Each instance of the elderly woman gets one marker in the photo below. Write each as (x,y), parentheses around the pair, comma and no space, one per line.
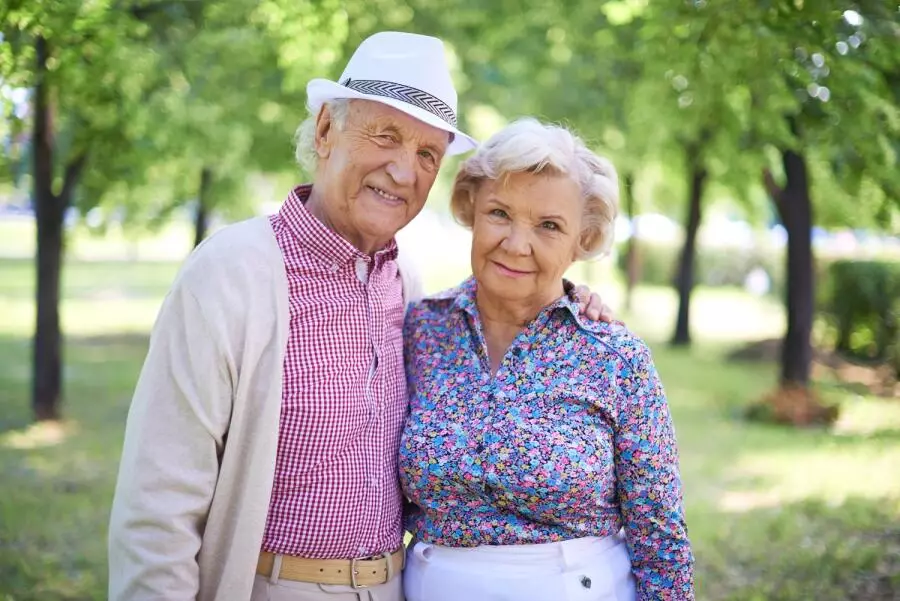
(539,447)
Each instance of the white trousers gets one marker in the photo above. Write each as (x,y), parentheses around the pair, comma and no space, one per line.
(584,569)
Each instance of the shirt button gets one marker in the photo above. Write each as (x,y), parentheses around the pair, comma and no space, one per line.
(362,270)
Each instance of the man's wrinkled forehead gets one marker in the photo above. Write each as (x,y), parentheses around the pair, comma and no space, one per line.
(367,113)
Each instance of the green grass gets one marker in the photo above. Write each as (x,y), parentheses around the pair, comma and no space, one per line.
(774,513)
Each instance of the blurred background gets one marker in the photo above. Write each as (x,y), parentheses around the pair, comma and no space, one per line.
(758,246)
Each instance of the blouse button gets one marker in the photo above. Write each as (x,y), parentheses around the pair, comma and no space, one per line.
(585,582)
(479,447)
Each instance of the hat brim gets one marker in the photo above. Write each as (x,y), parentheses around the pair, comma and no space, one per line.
(319,91)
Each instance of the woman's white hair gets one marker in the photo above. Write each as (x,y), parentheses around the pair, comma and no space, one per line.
(305,137)
(529,146)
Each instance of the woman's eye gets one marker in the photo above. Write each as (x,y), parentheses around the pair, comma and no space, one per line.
(386,138)
(550,225)
(499,213)
(427,155)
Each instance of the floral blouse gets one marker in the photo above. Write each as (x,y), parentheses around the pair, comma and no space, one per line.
(571,438)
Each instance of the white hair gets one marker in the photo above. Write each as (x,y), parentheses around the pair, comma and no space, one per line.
(529,146)
(305,137)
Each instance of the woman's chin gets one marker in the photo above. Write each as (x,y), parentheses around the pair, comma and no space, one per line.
(510,291)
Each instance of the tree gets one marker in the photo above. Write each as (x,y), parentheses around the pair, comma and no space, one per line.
(806,83)
(62,50)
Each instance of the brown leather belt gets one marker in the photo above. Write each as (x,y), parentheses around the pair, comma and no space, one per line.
(357,573)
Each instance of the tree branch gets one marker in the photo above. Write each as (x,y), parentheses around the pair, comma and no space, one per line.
(73,173)
(775,191)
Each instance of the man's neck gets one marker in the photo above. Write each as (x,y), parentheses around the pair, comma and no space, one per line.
(316,206)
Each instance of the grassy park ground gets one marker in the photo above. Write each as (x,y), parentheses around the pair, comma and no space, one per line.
(774,513)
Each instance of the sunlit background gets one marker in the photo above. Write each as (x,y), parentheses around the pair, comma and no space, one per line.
(740,129)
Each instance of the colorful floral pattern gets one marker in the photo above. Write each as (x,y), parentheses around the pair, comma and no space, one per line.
(572,437)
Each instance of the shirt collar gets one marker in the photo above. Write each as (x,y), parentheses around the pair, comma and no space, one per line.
(318,238)
(465,300)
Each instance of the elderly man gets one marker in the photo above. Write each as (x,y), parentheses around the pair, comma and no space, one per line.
(260,455)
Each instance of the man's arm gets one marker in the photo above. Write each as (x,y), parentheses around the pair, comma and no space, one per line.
(170,460)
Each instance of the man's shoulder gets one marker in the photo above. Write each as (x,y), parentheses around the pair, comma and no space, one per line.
(249,238)
(240,253)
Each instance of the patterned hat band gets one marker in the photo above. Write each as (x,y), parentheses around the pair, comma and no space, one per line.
(407,94)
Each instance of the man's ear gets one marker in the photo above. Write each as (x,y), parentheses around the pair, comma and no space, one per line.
(324,132)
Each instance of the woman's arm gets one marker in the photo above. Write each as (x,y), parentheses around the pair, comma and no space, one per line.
(649,485)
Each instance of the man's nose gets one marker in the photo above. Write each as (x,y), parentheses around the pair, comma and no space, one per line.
(402,168)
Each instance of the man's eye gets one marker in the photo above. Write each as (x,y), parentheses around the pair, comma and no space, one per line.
(427,154)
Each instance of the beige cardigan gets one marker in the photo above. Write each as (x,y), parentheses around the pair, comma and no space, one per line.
(200,441)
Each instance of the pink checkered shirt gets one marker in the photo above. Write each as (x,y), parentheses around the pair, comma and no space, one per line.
(336,493)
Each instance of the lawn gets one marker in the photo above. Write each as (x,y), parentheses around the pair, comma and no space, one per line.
(773,513)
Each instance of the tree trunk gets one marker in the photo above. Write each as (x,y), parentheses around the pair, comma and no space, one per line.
(632,260)
(50,211)
(46,360)
(795,209)
(201,217)
(684,281)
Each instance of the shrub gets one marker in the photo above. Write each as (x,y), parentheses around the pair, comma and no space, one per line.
(861,301)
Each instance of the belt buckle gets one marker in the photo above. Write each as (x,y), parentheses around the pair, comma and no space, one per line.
(354,572)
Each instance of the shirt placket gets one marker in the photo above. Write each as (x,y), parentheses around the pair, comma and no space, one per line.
(373,506)
(496,399)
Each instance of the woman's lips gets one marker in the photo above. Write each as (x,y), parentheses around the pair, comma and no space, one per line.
(507,271)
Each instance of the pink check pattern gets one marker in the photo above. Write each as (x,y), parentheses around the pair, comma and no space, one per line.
(335,493)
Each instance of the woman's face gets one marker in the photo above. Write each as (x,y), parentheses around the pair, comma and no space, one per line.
(525,235)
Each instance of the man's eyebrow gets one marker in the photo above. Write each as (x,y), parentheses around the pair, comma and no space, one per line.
(390,128)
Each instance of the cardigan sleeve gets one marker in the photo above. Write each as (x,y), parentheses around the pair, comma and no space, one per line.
(174,438)
(649,486)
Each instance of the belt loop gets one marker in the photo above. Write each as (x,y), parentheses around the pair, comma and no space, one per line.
(566,556)
(390,565)
(276,569)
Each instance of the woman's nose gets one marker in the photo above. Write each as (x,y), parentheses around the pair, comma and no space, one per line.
(516,242)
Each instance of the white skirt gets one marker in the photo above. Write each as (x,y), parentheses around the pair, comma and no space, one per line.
(584,569)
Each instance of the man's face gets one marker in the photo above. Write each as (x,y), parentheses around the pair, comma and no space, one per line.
(374,174)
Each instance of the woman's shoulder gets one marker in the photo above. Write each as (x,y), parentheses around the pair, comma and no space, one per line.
(617,338)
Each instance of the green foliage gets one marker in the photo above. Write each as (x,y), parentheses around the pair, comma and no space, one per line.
(862,302)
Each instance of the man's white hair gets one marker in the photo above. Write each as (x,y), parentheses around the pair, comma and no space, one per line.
(305,138)
(529,146)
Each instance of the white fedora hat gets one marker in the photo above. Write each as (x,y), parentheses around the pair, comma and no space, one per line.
(406,71)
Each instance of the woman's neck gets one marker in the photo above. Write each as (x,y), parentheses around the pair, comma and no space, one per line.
(513,314)
(502,320)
